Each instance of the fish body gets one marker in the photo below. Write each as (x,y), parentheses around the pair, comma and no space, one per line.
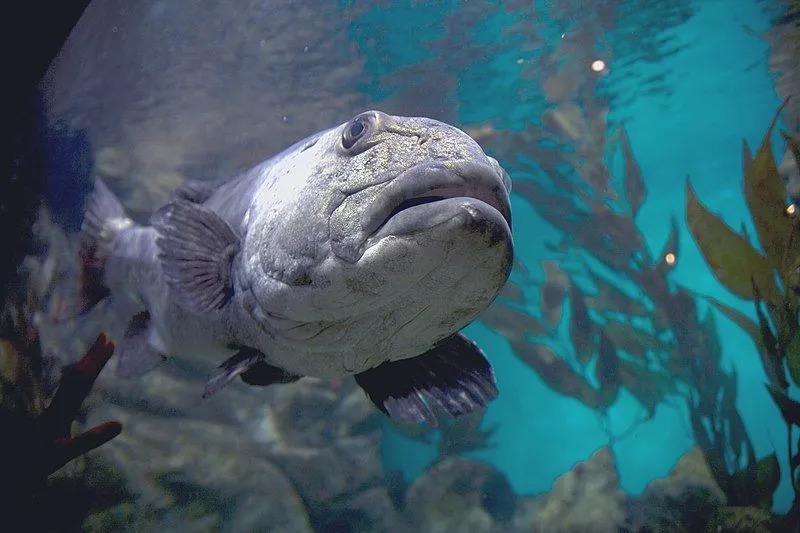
(361,250)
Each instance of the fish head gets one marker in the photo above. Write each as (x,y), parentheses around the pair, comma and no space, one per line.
(395,227)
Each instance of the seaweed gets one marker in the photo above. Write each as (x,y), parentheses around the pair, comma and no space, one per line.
(769,276)
(611,316)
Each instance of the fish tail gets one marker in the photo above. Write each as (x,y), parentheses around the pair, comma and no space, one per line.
(105,218)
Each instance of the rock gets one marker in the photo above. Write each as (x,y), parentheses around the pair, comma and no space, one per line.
(202,470)
(740,520)
(355,413)
(232,443)
(371,511)
(325,473)
(588,498)
(458,494)
(128,517)
(682,501)
(328,439)
(525,517)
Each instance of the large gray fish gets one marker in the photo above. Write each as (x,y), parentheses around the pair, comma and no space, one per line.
(361,250)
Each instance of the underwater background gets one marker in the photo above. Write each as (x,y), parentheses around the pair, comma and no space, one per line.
(637,331)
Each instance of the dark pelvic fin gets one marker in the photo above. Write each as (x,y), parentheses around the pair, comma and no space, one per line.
(250,365)
(138,353)
(454,377)
(196,251)
(262,374)
(104,219)
(230,368)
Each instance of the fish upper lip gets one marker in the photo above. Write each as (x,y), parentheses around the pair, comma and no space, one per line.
(443,180)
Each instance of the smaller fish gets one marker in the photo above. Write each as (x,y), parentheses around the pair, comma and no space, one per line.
(361,250)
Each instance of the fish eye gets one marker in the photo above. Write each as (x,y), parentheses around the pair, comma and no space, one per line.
(353,133)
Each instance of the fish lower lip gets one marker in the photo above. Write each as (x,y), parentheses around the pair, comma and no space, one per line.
(436,182)
(425,216)
(443,195)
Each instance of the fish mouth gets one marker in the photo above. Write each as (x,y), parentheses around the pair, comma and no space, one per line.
(428,194)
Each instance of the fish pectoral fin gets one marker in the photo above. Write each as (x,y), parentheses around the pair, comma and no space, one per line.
(453,377)
(196,249)
(140,349)
(250,365)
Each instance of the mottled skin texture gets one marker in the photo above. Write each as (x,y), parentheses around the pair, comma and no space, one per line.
(321,285)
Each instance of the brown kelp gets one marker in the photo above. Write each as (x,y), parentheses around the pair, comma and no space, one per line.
(629,326)
(768,274)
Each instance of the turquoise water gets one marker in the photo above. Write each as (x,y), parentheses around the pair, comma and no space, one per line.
(720,93)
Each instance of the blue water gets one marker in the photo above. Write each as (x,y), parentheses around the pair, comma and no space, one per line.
(720,92)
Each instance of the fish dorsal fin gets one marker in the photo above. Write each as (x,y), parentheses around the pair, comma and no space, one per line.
(196,249)
(141,349)
(454,377)
(248,363)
